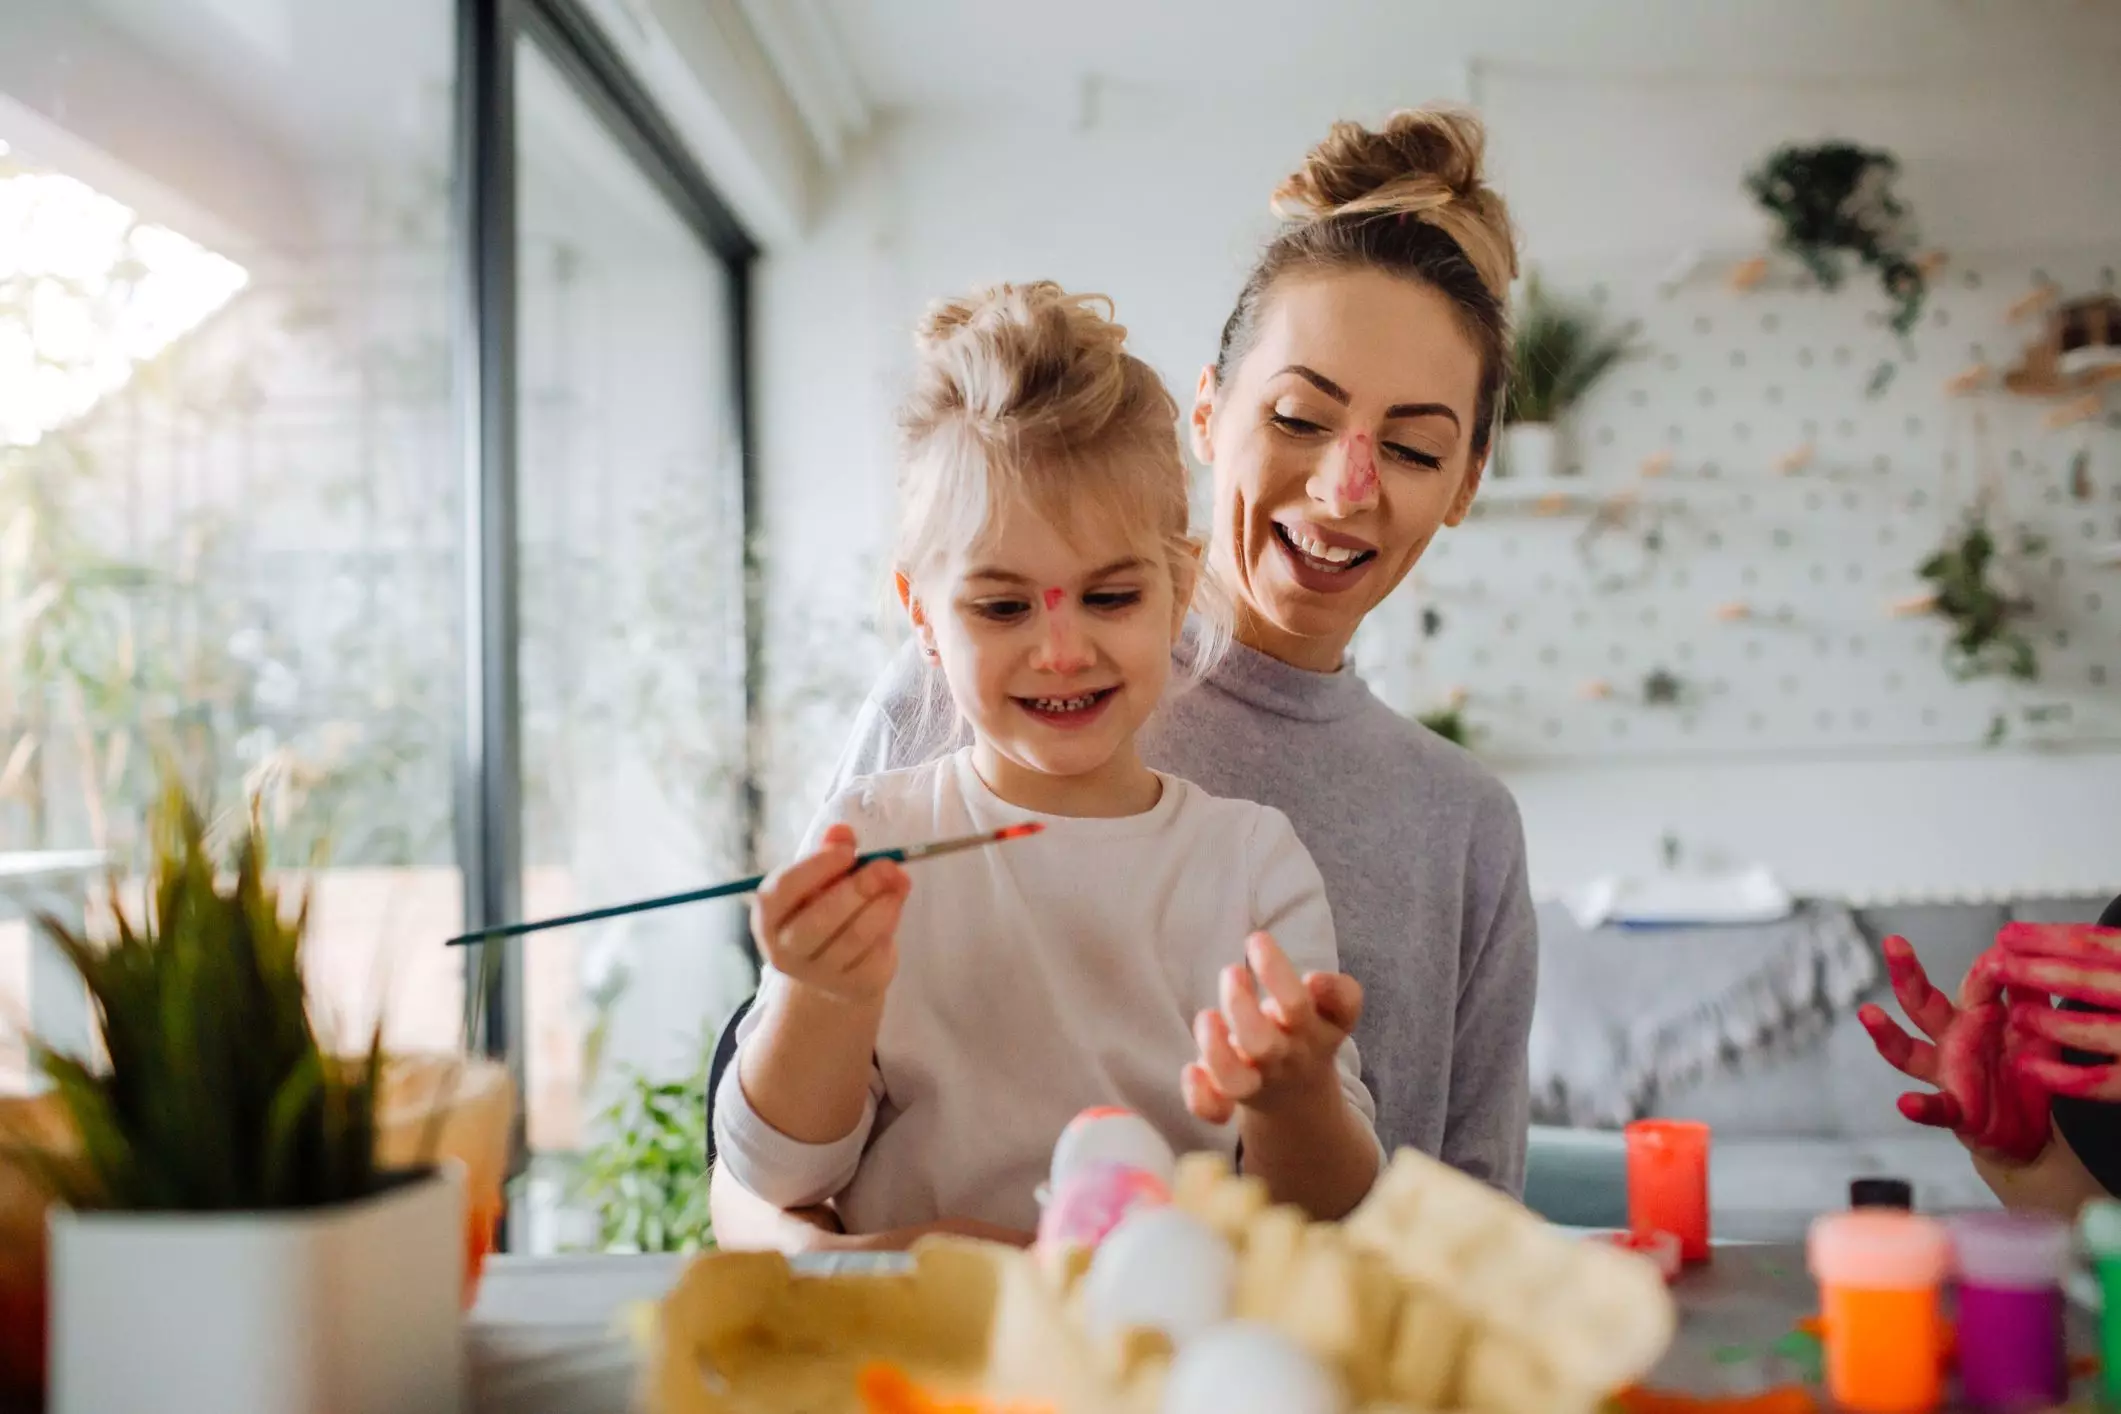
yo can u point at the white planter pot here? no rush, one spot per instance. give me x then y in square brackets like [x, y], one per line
[1531, 451]
[349, 1310]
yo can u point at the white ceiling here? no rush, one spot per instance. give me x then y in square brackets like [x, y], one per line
[984, 54]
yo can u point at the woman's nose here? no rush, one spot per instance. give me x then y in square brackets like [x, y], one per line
[1345, 480]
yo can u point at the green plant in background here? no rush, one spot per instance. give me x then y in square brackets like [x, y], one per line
[1450, 723]
[647, 1179]
[1835, 199]
[217, 1095]
[1985, 640]
[1557, 353]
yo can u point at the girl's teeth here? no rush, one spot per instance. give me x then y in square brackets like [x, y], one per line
[1064, 704]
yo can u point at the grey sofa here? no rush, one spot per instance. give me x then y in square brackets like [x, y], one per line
[1791, 1130]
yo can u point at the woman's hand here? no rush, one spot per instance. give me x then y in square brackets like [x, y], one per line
[1267, 1053]
[1991, 1104]
[2074, 960]
[829, 928]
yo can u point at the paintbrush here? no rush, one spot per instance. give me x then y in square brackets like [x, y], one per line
[904, 854]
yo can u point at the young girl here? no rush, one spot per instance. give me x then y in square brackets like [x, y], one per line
[922, 1037]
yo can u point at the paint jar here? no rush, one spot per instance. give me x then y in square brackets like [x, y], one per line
[2100, 1225]
[1882, 1193]
[1879, 1272]
[1668, 1183]
[2010, 1267]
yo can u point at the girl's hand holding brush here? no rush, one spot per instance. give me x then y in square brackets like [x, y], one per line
[830, 928]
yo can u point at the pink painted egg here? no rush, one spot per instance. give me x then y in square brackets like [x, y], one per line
[1111, 1135]
[1091, 1201]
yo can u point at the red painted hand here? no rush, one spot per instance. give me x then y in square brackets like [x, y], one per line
[1989, 1104]
[2073, 960]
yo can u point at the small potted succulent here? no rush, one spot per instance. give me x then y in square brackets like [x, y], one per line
[224, 1234]
[1557, 352]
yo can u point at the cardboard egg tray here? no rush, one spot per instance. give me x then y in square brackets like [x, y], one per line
[1436, 1294]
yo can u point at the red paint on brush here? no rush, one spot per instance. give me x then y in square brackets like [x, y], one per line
[1358, 476]
[1017, 832]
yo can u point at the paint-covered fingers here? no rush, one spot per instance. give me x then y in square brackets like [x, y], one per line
[2084, 942]
[1932, 1107]
[2056, 1076]
[2083, 1031]
[1915, 1059]
[1968, 1060]
[1930, 1010]
[2099, 984]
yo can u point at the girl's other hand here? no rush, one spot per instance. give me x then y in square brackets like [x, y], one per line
[1268, 1052]
[829, 928]
[1989, 1104]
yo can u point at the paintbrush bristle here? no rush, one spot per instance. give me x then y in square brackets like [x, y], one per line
[1017, 832]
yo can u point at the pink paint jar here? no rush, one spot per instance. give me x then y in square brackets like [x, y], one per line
[2012, 1346]
[1668, 1183]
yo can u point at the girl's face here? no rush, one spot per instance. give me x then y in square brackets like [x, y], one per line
[1057, 649]
[1343, 441]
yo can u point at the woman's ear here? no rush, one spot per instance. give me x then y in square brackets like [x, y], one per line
[917, 615]
[1185, 582]
[1462, 503]
[1200, 423]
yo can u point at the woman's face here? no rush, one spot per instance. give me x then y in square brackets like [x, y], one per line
[1342, 441]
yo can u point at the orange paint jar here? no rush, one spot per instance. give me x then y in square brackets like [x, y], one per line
[1879, 1274]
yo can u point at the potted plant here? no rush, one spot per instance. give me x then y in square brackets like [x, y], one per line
[647, 1177]
[1557, 353]
[1836, 199]
[227, 1238]
[1967, 591]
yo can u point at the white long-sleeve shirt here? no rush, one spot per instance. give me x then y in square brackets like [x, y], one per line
[1036, 979]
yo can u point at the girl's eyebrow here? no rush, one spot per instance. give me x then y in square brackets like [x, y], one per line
[994, 572]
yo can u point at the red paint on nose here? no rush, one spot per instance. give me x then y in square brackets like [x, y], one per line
[1053, 599]
[1358, 480]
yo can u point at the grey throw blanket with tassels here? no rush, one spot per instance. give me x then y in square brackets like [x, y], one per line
[1623, 1014]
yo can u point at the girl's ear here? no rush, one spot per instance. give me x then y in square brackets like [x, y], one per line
[917, 615]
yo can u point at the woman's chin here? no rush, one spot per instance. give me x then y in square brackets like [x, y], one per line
[1304, 613]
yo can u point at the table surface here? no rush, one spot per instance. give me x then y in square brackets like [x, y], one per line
[543, 1341]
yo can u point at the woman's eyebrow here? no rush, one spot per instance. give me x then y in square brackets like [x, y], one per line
[1340, 395]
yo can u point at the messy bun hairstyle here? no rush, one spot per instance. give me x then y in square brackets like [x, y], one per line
[1408, 199]
[1024, 397]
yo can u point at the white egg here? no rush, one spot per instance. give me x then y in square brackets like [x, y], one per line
[1112, 1136]
[1244, 1367]
[1162, 1269]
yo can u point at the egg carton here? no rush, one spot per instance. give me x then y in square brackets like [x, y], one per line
[1436, 1294]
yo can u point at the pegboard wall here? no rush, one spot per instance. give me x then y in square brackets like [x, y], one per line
[1752, 495]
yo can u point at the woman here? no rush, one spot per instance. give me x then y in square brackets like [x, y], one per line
[1347, 417]
[2031, 1089]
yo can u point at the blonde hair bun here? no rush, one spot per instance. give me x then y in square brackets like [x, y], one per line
[1424, 164]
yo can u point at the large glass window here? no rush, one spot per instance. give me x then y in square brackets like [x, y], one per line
[630, 516]
[229, 512]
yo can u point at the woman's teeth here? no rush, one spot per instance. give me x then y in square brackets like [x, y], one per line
[1330, 557]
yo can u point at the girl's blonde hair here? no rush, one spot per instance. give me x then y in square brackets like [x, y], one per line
[1025, 398]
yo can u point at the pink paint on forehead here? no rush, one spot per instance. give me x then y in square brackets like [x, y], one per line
[1053, 599]
[1358, 476]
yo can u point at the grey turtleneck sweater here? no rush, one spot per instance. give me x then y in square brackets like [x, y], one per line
[1423, 857]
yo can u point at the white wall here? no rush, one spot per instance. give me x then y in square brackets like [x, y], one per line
[1161, 201]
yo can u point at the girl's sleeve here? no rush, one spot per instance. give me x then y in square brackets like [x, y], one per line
[789, 1173]
[1289, 902]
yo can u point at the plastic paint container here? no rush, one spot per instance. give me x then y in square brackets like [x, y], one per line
[2100, 1224]
[1668, 1183]
[1882, 1193]
[2012, 1352]
[1879, 1272]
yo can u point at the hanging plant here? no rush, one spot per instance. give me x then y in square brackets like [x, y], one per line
[1986, 638]
[1836, 199]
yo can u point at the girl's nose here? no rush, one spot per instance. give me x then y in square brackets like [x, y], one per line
[1067, 646]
